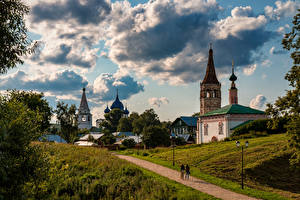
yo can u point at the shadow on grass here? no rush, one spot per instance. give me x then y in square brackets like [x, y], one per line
[277, 173]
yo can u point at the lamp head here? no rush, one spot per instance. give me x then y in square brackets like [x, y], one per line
[237, 143]
[246, 143]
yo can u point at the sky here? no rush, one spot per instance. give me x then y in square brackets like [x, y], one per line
[155, 52]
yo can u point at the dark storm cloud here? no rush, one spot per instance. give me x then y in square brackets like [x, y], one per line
[64, 83]
[91, 11]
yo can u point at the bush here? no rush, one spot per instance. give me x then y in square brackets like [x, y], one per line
[129, 143]
[180, 141]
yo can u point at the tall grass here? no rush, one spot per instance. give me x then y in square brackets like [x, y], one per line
[90, 173]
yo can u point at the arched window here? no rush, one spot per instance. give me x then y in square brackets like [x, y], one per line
[221, 128]
[88, 118]
[207, 94]
[205, 129]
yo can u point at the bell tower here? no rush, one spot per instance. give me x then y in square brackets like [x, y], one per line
[210, 88]
[84, 115]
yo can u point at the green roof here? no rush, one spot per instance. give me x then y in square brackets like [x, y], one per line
[233, 109]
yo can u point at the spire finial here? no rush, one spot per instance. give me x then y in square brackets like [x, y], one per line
[232, 66]
[83, 89]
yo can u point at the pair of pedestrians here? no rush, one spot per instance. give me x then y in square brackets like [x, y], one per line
[187, 172]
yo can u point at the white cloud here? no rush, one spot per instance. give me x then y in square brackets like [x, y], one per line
[258, 102]
[154, 101]
[266, 63]
[283, 9]
[263, 76]
[249, 70]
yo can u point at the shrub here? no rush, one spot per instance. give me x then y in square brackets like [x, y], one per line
[129, 143]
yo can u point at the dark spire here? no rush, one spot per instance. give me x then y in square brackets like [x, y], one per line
[210, 75]
[117, 103]
[106, 109]
[83, 103]
[232, 77]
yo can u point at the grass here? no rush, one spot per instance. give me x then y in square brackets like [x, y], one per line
[268, 173]
[90, 173]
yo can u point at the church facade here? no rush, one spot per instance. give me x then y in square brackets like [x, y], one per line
[216, 123]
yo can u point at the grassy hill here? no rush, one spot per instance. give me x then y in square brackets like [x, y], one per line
[266, 165]
[90, 173]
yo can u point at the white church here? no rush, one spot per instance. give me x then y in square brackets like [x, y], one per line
[216, 123]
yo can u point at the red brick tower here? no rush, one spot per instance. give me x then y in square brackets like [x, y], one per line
[233, 97]
[210, 92]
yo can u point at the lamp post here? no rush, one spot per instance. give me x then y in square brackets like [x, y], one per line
[172, 137]
[238, 144]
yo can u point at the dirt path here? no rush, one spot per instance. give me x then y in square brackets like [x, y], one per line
[193, 182]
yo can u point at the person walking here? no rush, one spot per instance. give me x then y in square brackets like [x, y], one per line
[187, 172]
[182, 171]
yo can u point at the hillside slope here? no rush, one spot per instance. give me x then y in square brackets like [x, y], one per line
[266, 163]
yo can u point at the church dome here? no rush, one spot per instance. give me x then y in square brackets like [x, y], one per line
[126, 112]
[233, 77]
[106, 110]
[117, 103]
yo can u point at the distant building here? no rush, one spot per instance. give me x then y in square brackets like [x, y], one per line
[117, 104]
[84, 114]
[184, 125]
[216, 123]
[52, 138]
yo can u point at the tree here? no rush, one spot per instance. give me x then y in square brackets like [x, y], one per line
[67, 118]
[19, 161]
[288, 106]
[14, 42]
[125, 125]
[148, 118]
[35, 102]
[111, 121]
[129, 143]
[154, 136]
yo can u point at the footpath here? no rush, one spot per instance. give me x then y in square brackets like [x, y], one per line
[193, 182]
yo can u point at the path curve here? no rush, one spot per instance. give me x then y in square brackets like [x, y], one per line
[195, 183]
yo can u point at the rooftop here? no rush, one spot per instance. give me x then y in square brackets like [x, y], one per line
[233, 109]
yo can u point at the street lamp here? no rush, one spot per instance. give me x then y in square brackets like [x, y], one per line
[238, 144]
[172, 137]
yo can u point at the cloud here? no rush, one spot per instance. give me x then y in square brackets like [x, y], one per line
[70, 31]
[154, 101]
[168, 40]
[277, 52]
[105, 87]
[258, 102]
[266, 63]
[60, 83]
[249, 70]
[283, 9]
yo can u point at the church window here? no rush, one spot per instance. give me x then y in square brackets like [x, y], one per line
[221, 128]
[88, 118]
[83, 118]
[205, 129]
[207, 94]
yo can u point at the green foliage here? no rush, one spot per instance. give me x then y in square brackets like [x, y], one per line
[256, 127]
[19, 162]
[108, 139]
[146, 119]
[125, 125]
[179, 141]
[93, 173]
[67, 118]
[35, 102]
[154, 136]
[14, 43]
[288, 106]
[129, 143]
[111, 121]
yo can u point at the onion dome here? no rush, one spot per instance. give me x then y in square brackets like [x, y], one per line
[232, 77]
[117, 103]
[106, 110]
[126, 112]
